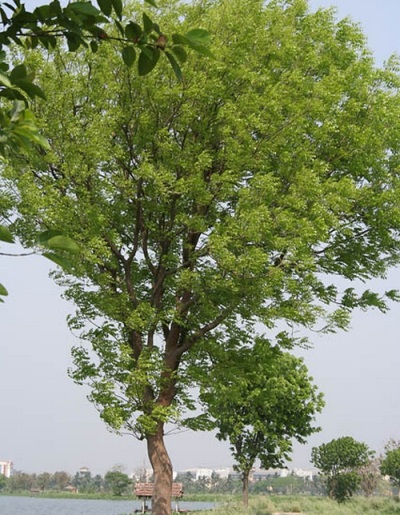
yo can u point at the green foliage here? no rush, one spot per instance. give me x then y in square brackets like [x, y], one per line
[260, 399]
[118, 482]
[81, 25]
[20, 481]
[224, 205]
[5, 234]
[390, 465]
[3, 482]
[340, 455]
[342, 486]
[340, 461]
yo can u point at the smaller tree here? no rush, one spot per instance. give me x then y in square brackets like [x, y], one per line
[43, 480]
[20, 482]
[260, 399]
[118, 482]
[390, 465]
[60, 480]
[340, 461]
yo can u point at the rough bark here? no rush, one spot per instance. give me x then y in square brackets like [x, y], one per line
[162, 470]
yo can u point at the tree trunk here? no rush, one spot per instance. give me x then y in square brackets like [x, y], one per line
[162, 471]
[245, 481]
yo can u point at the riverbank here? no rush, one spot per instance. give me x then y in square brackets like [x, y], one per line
[51, 494]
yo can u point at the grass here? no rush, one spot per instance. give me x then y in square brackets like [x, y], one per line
[309, 506]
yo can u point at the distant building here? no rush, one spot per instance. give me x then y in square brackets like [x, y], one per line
[259, 475]
[6, 468]
[84, 472]
[202, 473]
[71, 489]
[306, 473]
[199, 473]
[223, 473]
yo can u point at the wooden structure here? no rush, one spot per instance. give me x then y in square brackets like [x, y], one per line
[144, 491]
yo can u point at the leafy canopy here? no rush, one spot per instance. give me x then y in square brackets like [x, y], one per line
[390, 465]
[340, 461]
[234, 198]
[78, 24]
[260, 399]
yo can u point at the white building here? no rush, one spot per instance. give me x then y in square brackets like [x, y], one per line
[6, 468]
[306, 473]
[261, 474]
[198, 473]
[203, 473]
[223, 473]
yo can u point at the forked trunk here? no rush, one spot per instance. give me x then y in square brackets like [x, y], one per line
[162, 471]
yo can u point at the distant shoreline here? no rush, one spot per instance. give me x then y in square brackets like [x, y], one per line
[109, 497]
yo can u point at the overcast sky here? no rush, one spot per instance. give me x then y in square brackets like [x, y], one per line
[46, 423]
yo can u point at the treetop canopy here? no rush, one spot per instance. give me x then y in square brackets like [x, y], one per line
[205, 207]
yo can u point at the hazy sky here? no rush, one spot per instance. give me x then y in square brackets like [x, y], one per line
[46, 423]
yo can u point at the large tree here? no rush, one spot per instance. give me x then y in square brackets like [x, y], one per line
[206, 207]
[260, 399]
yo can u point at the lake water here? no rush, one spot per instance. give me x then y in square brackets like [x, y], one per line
[40, 506]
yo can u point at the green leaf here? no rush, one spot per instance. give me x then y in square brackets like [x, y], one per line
[120, 28]
[180, 53]
[31, 89]
[200, 36]
[133, 31]
[197, 39]
[61, 242]
[29, 135]
[58, 260]
[18, 73]
[3, 290]
[117, 4]
[148, 60]
[43, 237]
[55, 8]
[84, 8]
[43, 12]
[151, 2]
[128, 55]
[147, 23]
[73, 41]
[94, 46]
[5, 81]
[4, 17]
[175, 66]
[105, 6]
[5, 234]
[178, 39]
[17, 111]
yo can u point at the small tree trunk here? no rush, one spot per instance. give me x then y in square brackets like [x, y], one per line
[162, 471]
[245, 481]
